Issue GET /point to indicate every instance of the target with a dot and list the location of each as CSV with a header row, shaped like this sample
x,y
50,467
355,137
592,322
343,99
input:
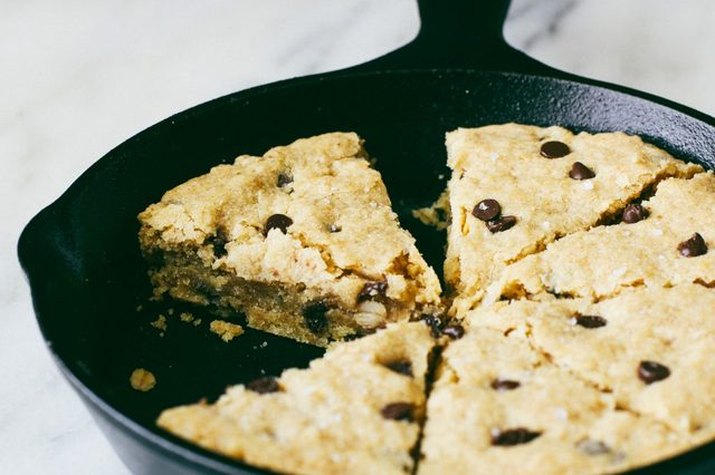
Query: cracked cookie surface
x,y
652,252
499,406
356,410
516,188
649,348
302,240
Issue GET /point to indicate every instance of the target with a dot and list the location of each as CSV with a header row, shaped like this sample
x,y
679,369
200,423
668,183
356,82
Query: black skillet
x,y
81,255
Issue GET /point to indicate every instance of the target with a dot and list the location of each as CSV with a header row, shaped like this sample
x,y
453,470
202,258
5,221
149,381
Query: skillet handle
x,y
459,34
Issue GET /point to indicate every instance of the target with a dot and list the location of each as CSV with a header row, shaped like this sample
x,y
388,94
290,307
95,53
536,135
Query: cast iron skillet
x,y
81,254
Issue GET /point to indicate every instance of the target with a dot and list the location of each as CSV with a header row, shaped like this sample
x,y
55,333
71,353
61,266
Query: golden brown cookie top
x,y
356,410
313,213
516,188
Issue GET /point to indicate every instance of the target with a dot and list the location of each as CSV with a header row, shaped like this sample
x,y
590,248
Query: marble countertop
x,y
80,77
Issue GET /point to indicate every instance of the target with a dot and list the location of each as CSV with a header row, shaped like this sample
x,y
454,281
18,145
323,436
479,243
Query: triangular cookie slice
x,y
499,406
670,240
650,348
516,188
357,410
302,240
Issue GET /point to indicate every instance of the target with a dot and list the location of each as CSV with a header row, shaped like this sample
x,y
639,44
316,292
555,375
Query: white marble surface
x,y
79,77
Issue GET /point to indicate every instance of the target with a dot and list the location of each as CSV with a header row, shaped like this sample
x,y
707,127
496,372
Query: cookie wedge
x,y
499,406
516,188
673,243
644,346
303,241
357,410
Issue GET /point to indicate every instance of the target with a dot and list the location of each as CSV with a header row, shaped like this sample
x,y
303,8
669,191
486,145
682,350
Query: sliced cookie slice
x,y
516,188
498,406
302,240
670,240
356,410
651,348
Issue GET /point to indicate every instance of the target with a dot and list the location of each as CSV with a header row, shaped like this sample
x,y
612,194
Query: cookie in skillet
x,y
500,406
668,243
357,410
516,188
302,240
649,347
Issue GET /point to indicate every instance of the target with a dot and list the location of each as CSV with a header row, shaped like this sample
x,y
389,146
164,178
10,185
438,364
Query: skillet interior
x,y
87,277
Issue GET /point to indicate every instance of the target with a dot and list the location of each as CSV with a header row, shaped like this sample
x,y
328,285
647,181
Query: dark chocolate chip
x,y
516,436
401,366
454,330
218,242
579,171
278,221
434,322
650,372
372,291
593,447
591,321
501,224
353,336
399,411
284,179
693,247
505,384
315,318
634,213
554,149
487,210
265,385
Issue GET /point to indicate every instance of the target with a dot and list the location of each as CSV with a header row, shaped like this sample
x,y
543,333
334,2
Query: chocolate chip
x,y
454,330
505,384
401,366
579,171
434,322
513,436
399,411
487,210
315,317
265,385
634,213
284,179
693,247
218,242
554,149
372,290
590,321
593,447
650,372
278,221
501,224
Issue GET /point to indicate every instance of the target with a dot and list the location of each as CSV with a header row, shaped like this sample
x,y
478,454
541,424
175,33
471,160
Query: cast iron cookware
x,y
88,281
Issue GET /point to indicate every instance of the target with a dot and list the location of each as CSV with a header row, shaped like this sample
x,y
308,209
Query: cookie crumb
x,y
142,380
186,317
160,323
227,331
435,215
